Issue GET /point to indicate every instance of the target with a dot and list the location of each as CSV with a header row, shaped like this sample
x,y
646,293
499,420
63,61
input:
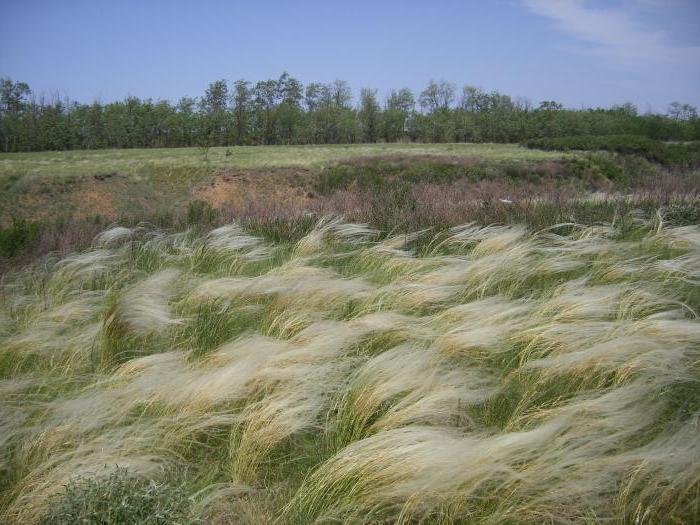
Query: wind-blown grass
x,y
482,375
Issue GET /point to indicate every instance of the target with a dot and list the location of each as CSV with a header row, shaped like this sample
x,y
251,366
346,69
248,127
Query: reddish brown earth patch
x,y
105,194
238,188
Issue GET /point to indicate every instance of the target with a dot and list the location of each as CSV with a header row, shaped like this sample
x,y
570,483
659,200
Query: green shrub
x,y
682,214
377,174
686,154
17,237
120,498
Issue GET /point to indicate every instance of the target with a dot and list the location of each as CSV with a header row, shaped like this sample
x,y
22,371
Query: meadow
x,y
386,333
89,162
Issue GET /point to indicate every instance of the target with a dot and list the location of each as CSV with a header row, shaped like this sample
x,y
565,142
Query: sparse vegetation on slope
x,y
480,375
59,201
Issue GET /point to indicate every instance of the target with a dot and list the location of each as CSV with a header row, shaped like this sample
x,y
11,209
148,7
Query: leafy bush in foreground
x,y
118,499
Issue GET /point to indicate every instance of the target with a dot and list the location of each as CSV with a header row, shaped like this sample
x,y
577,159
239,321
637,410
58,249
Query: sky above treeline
x,y
583,53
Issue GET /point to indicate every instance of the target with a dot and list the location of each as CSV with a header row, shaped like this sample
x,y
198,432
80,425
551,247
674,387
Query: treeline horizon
x,y
283,112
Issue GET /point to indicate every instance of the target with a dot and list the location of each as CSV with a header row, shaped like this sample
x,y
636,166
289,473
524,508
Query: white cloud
x,y
614,32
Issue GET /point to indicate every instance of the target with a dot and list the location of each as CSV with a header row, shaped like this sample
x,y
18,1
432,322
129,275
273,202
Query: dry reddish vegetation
x,y
289,187
390,192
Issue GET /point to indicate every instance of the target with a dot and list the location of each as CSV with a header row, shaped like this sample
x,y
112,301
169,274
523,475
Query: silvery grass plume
x,y
481,375
232,238
113,236
144,306
334,229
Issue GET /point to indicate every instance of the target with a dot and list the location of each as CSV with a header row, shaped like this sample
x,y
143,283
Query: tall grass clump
x,y
480,374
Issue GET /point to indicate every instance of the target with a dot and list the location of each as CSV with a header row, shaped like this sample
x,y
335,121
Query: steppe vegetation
x,y
480,375
349,333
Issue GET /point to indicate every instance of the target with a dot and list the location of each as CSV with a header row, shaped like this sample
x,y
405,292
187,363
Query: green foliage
x,y
271,112
376,175
120,498
214,323
686,155
683,214
17,237
600,170
382,174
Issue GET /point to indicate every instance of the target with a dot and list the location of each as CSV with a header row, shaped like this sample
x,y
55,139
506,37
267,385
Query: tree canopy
x,y
284,111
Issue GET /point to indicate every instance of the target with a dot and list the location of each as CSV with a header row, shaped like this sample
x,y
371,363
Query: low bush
x,y
17,236
119,498
378,174
679,154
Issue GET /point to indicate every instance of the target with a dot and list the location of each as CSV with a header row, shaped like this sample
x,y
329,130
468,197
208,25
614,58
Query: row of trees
x,y
283,111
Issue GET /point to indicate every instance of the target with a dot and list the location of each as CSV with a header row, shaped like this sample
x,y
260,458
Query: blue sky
x,y
579,52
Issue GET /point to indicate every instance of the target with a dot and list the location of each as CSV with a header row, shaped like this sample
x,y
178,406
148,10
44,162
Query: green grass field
x,y
138,161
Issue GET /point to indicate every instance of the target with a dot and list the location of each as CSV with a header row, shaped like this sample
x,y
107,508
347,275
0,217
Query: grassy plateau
x,y
476,334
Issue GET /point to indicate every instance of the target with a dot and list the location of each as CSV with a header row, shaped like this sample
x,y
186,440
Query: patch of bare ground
x,y
280,187
106,194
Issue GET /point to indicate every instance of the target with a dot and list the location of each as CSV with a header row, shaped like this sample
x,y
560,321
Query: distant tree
x,y
499,102
436,100
13,102
291,90
333,119
523,104
437,96
400,106
242,101
266,95
215,97
281,111
401,100
213,130
289,118
369,115
341,94
312,96
186,121
627,109
13,96
678,111
550,105
474,99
